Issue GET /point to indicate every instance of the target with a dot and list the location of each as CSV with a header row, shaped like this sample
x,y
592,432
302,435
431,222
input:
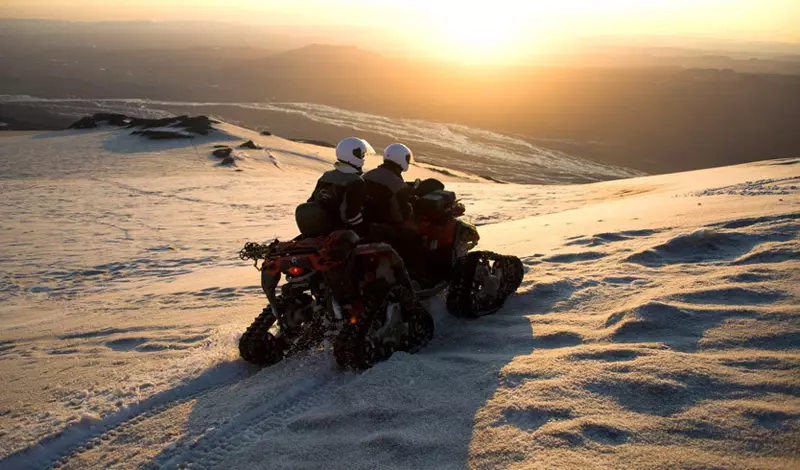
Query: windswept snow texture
x,y
456,146
654,328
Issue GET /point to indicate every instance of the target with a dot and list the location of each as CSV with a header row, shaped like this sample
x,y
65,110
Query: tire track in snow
x,y
174,196
312,389
56,450
201,448
270,416
106,437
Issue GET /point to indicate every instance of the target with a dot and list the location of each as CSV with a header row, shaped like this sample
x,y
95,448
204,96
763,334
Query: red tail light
x,y
295,271
356,311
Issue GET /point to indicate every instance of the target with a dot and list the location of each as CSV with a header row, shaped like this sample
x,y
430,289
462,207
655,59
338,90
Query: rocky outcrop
x,y
200,125
87,122
222,152
250,145
117,119
111,119
180,127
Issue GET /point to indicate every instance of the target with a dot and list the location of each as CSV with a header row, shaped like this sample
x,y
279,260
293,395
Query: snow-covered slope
x,y
508,157
657,326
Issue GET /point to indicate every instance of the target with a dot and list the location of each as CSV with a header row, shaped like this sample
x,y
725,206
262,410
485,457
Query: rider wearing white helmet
x,y
352,151
341,191
387,194
398,154
388,205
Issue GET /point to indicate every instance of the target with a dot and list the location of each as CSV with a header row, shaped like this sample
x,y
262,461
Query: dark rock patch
x,y
184,126
250,145
87,122
112,119
222,152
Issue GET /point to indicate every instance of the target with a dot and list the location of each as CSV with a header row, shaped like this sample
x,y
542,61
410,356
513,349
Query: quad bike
x,y
358,296
478,282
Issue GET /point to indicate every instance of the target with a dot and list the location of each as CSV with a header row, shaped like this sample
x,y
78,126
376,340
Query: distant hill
x,y
327,53
321,61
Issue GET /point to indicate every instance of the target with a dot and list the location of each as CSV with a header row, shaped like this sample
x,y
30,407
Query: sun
x,y
470,33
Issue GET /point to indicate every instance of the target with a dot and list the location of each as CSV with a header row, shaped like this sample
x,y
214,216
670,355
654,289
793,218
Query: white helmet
x,y
400,154
352,151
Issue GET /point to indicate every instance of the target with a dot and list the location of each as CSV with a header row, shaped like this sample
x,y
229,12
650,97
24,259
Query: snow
x,y
657,325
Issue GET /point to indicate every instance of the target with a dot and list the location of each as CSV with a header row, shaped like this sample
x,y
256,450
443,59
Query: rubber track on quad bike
x,y
460,301
354,348
257,345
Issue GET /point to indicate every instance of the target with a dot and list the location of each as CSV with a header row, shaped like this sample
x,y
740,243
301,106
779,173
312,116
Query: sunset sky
x,y
455,28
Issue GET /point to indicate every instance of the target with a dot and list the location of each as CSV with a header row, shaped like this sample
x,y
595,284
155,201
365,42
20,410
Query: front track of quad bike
x,y
378,334
260,347
481,283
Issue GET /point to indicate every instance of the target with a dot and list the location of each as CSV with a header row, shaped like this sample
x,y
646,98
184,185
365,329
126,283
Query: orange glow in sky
x,y
478,30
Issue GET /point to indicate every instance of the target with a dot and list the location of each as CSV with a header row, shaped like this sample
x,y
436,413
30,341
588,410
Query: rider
x,y
388,195
388,205
341,191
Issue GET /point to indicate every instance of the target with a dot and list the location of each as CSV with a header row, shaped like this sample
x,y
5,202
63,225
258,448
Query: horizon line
x,y
334,27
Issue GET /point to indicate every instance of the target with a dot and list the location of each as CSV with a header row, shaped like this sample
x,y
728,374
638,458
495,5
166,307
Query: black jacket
x,y
388,196
342,196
